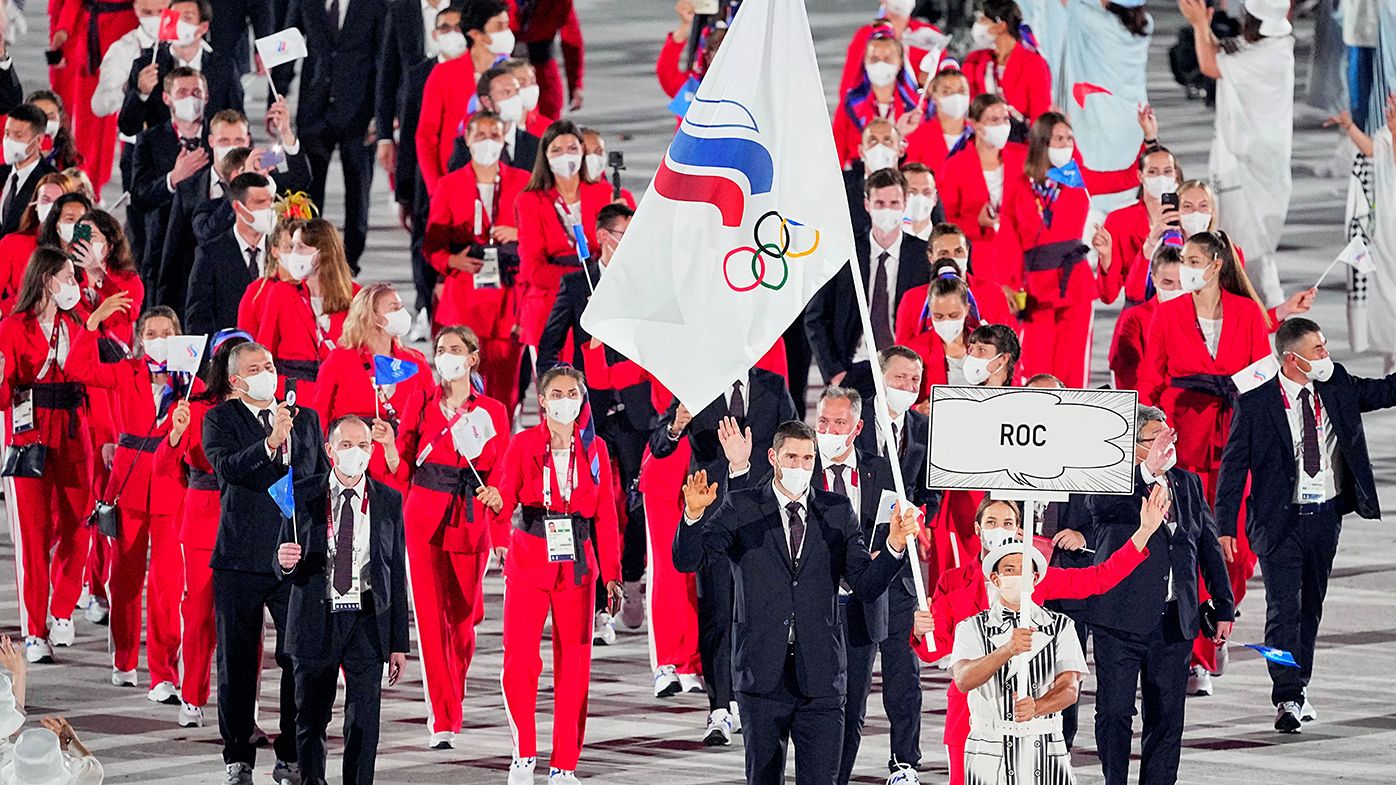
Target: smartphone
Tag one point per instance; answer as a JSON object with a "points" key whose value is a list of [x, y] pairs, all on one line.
{"points": [[291, 395], [82, 232], [1170, 202], [271, 159]]}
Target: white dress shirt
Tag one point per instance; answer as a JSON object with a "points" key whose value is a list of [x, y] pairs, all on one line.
{"points": [[243, 247], [256, 415], [894, 253], [511, 135], [1327, 436], [429, 11], [1149, 479], [781, 501], [115, 71], [362, 537], [850, 479]]}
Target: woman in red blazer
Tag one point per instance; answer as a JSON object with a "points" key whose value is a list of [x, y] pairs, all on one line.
{"points": [[1003, 64], [451, 441], [1137, 230], [301, 318], [17, 246], [1047, 218], [374, 325], [972, 186], [933, 142], [896, 23], [556, 199], [182, 452], [109, 273], [278, 246], [668, 68], [471, 211], [556, 477], [1132, 329], [885, 91]]}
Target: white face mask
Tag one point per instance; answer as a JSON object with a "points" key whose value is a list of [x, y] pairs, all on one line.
{"points": [[993, 538], [261, 386], [99, 250], [67, 296], [980, 37], [399, 323], [451, 45], [901, 401], [566, 165], [220, 152], [186, 32], [794, 480], [65, 231], [157, 349], [486, 152], [42, 210], [529, 94], [919, 207], [1164, 295], [881, 74], [1195, 223], [15, 151], [879, 157], [452, 366], [596, 164], [899, 8], [564, 411], [1320, 370], [511, 109], [501, 43], [1194, 279], [51, 127], [954, 106], [150, 25], [996, 136], [1011, 588], [831, 445], [1060, 156], [1159, 185], [299, 265], [949, 329], [886, 220], [351, 461], [977, 369], [263, 220], [188, 109]]}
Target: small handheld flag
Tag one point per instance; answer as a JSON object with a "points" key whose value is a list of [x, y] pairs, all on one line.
{"points": [[281, 48], [392, 370], [684, 97], [580, 236], [186, 352], [1354, 254], [1256, 374], [282, 493], [1277, 656], [169, 25], [1069, 175]]}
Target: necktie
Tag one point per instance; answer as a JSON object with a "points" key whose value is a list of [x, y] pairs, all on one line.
{"points": [[11, 186], [797, 530], [344, 544], [737, 408], [839, 486], [333, 14], [265, 417], [1310, 449], [881, 313], [252, 261]]}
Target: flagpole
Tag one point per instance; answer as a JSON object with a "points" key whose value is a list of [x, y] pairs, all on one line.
{"points": [[884, 422], [1328, 270]]}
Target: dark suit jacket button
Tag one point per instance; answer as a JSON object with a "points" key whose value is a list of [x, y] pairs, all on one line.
{"points": [[787, 622], [794, 583]]}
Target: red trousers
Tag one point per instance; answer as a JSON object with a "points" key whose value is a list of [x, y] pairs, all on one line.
{"points": [[1057, 340], [956, 754], [526, 608], [499, 366], [51, 545], [147, 554], [94, 137], [447, 603], [200, 632], [671, 601], [100, 552]]}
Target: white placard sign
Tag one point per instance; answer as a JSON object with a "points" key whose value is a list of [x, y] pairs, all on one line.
{"points": [[1031, 440]]}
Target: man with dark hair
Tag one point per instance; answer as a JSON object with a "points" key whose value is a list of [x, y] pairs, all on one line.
{"points": [[993, 356], [145, 106], [498, 92], [1299, 441], [790, 546], [226, 265], [24, 163]]}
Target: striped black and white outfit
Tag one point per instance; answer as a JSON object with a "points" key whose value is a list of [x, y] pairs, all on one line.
{"points": [[996, 743]]}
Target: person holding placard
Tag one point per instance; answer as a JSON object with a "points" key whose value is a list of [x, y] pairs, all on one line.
{"points": [[451, 439]]}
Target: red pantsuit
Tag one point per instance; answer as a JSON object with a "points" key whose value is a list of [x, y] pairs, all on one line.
{"points": [[48, 513], [298, 340], [544, 23], [92, 28], [15, 250], [197, 530], [1176, 363], [346, 386], [445, 100], [544, 241], [448, 544], [535, 586], [963, 193], [960, 594], [927, 145], [251, 305], [491, 312], [1129, 268], [1060, 284], [858, 47], [1024, 81]]}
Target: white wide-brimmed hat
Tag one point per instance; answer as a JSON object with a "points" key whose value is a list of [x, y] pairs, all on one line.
{"points": [[1273, 16], [36, 760], [1039, 562]]}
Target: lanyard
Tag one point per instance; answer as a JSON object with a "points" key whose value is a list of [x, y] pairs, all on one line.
{"points": [[455, 418], [322, 339], [548, 474], [479, 225], [52, 359], [564, 215]]}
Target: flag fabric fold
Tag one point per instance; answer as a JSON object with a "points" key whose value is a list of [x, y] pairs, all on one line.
{"points": [[283, 493], [392, 370], [281, 48]]}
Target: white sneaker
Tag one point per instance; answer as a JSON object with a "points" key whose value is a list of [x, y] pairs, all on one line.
{"points": [[719, 732], [736, 716], [560, 777], [904, 775], [190, 716], [521, 771], [632, 608], [239, 774], [97, 611], [164, 692], [61, 632], [123, 678], [442, 740], [1307, 712], [691, 682], [1199, 681], [604, 630], [37, 650], [421, 327], [1223, 659], [666, 682]]}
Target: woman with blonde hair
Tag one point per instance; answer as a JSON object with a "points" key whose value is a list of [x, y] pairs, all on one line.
{"points": [[348, 384]]}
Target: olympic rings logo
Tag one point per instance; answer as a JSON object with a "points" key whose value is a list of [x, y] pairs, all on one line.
{"points": [[760, 251]]}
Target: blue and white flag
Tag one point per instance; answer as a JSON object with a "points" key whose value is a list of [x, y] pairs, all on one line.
{"points": [[392, 370], [283, 493], [1277, 656]]}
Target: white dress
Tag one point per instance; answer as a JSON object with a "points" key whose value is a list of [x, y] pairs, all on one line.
{"points": [[1381, 282], [996, 743], [1251, 153]]}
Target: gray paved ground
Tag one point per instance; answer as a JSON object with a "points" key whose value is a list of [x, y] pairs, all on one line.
{"points": [[633, 738]]}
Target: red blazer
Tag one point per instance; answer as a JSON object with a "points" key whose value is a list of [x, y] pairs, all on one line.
{"points": [[542, 236], [198, 525], [251, 305], [345, 385], [858, 108], [1026, 83], [668, 67], [1129, 270], [450, 226], [152, 488], [908, 329], [15, 250], [1127, 345], [445, 99], [1024, 217], [521, 483], [963, 193], [287, 324], [425, 424], [122, 324], [927, 145], [858, 47]]}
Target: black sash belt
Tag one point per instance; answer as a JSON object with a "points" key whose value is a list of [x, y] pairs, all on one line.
{"points": [[141, 443], [1063, 255], [301, 370], [532, 524]]}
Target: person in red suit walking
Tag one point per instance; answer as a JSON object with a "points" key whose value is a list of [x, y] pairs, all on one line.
{"points": [[182, 452], [17, 246], [1193, 347], [565, 490], [472, 215], [934, 141], [84, 31], [896, 23], [556, 206], [1003, 64], [451, 442], [885, 91], [1137, 230], [536, 25], [668, 68], [1132, 329], [375, 325]]}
